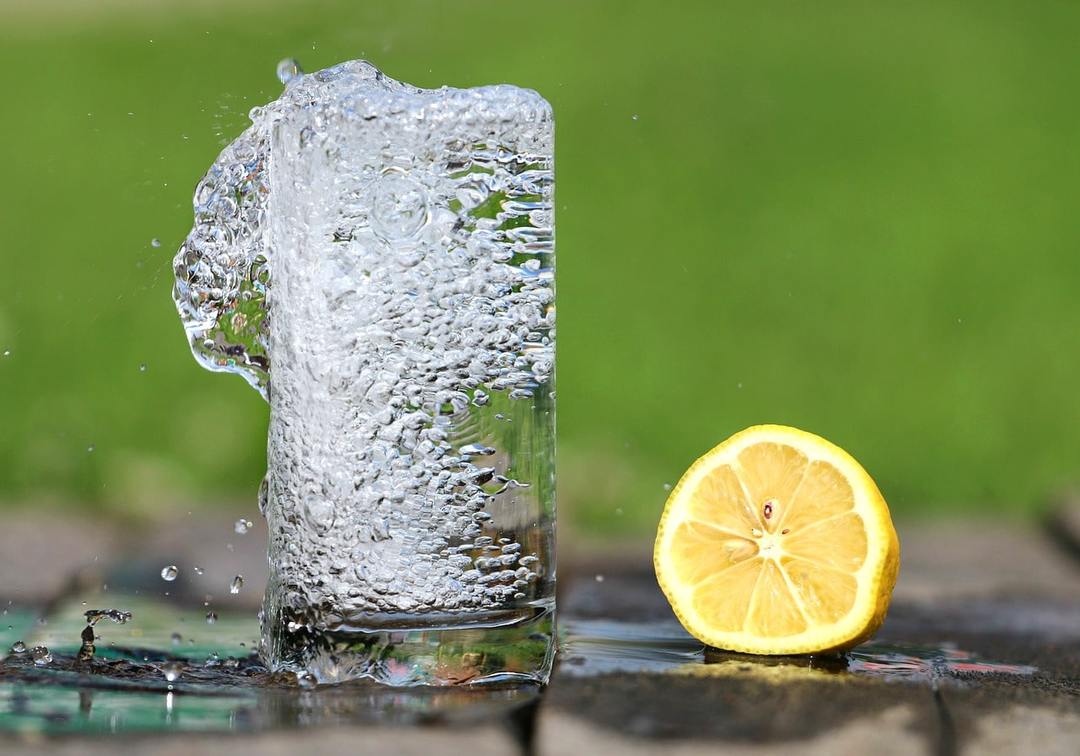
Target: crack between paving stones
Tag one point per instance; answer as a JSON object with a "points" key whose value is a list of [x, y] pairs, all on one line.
{"points": [[1056, 528], [945, 743], [522, 725]]}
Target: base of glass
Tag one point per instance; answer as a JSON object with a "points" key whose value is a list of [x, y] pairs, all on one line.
{"points": [[507, 646]]}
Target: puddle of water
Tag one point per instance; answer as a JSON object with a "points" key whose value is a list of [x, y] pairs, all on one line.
{"points": [[167, 670], [597, 647], [926, 663]]}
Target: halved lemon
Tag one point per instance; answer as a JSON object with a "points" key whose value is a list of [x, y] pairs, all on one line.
{"points": [[777, 542]]}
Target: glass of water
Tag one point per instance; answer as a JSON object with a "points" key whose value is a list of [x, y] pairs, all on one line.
{"points": [[410, 487]]}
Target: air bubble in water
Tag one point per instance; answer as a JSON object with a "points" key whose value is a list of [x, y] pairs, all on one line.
{"points": [[288, 70], [168, 574], [242, 526], [399, 207], [155, 242], [236, 584]]}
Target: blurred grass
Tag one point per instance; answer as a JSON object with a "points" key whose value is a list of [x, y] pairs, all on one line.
{"points": [[854, 218]]}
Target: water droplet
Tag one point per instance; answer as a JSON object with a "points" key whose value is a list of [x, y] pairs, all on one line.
{"points": [[18, 647], [599, 578], [242, 526], [667, 486], [634, 117], [306, 680], [168, 574], [236, 584], [90, 449], [198, 570], [118, 616], [211, 617], [41, 656], [172, 671], [155, 242], [176, 639], [142, 367], [7, 352], [288, 70]]}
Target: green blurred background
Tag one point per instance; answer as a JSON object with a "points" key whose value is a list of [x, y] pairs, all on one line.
{"points": [[858, 218]]}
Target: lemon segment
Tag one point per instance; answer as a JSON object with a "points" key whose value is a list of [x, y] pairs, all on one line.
{"points": [[777, 542]]}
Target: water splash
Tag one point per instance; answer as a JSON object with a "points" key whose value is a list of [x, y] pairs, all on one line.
{"points": [[172, 671], [120, 617], [221, 269]]}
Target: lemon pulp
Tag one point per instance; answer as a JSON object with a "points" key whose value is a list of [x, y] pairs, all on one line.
{"points": [[777, 542]]}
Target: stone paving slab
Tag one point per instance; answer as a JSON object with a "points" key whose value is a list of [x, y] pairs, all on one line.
{"points": [[370, 741], [1004, 592]]}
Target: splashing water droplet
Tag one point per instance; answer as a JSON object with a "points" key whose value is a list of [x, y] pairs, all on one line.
{"points": [[242, 526], [41, 656], [155, 242], [288, 70], [18, 647], [306, 680], [118, 616], [236, 584], [172, 671], [168, 574], [211, 617]]}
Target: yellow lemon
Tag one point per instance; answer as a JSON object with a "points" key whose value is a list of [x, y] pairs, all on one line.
{"points": [[777, 542]]}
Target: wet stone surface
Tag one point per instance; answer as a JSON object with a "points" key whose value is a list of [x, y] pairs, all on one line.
{"points": [[981, 658]]}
